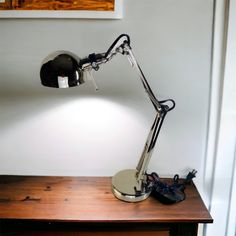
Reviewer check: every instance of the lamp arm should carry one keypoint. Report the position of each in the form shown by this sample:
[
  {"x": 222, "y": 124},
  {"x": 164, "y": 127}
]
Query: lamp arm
[
  {"x": 129, "y": 53},
  {"x": 160, "y": 106},
  {"x": 161, "y": 109},
  {"x": 93, "y": 61}
]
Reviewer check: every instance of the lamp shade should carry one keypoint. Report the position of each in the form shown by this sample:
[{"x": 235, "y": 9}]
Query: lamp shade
[{"x": 61, "y": 69}]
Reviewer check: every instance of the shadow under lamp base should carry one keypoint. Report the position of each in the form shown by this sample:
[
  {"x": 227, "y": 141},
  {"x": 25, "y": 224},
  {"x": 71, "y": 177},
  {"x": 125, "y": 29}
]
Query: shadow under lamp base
[{"x": 123, "y": 186}]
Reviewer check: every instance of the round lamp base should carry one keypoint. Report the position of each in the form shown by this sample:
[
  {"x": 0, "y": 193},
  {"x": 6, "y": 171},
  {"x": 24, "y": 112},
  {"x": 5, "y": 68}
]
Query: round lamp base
[{"x": 123, "y": 187}]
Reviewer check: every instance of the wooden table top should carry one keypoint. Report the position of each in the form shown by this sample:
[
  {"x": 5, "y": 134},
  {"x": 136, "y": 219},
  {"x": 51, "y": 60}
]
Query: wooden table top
[{"x": 89, "y": 199}]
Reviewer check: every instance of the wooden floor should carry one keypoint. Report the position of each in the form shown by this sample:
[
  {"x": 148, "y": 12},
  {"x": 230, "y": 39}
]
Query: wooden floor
[{"x": 95, "y": 5}]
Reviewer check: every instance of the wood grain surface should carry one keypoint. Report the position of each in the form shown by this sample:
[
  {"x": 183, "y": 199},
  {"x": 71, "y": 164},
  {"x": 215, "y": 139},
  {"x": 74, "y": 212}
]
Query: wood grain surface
[{"x": 89, "y": 199}]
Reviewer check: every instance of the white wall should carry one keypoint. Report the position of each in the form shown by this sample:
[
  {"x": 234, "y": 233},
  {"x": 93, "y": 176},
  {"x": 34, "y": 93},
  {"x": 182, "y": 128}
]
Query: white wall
[{"x": 82, "y": 132}]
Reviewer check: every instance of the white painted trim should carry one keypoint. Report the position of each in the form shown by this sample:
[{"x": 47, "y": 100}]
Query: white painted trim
[
  {"x": 231, "y": 230},
  {"x": 219, "y": 41},
  {"x": 219, "y": 179},
  {"x": 117, "y": 14}
]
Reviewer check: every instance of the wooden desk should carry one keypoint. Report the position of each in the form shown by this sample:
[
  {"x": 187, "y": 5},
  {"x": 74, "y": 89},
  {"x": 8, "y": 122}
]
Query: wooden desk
[{"x": 66, "y": 206}]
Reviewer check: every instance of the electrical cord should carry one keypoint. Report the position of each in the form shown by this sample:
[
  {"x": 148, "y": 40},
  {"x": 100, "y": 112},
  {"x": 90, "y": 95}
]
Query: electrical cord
[{"x": 169, "y": 193}]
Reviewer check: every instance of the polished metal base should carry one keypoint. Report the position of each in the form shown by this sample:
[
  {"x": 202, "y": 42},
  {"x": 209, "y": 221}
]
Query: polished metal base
[{"x": 124, "y": 187}]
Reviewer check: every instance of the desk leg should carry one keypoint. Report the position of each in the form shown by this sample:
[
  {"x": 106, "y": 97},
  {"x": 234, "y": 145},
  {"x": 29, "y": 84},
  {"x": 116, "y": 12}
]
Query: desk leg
[
  {"x": 1, "y": 228},
  {"x": 184, "y": 229}
]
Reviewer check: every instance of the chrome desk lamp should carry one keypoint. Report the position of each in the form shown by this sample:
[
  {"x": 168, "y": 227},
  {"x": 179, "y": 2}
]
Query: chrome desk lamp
[{"x": 63, "y": 69}]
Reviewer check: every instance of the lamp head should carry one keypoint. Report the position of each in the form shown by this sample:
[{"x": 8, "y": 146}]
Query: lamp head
[{"x": 61, "y": 69}]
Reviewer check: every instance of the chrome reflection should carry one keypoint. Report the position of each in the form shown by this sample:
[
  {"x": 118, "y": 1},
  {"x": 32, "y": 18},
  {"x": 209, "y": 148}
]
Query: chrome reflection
[{"x": 61, "y": 69}]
